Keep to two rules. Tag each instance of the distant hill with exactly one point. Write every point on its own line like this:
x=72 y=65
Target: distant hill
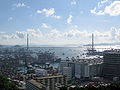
x=17 y=46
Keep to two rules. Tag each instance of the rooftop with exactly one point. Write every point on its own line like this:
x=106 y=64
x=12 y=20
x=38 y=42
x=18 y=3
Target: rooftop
x=48 y=77
x=34 y=82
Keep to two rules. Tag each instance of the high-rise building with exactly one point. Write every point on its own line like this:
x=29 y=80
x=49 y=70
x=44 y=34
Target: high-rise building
x=95 y=70
x=72 y=65
x=79 y=70
x=68 y=72
x=62 y=65
x=111 y=65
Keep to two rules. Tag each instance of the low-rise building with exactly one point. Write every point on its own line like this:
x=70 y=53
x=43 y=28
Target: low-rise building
x=34 y=85
x=46 y=83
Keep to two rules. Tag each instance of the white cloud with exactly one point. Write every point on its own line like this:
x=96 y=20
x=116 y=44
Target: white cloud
x=5 y=37
x=73 y=3
x=56 y=17
x=113 y=9
x=100 y=12
x=34 y=33
x=76 y=33
x=38 y=11
x=69 y=19
x=56 y=37
x=2 y=32
x=101 y=3
x=48 y=13
x=21 y=34
x=19 y=5
x=54 y=34
x=44 y=25
x=10 y=18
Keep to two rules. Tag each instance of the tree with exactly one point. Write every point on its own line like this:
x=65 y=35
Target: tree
x=5 y=84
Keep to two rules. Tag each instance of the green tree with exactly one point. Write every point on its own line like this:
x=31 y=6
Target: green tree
x=5 y=84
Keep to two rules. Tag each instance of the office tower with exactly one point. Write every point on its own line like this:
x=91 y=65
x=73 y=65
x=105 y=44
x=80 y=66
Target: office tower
x=111 y=65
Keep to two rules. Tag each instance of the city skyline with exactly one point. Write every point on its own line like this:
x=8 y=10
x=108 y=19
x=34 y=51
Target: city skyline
x=51 y=22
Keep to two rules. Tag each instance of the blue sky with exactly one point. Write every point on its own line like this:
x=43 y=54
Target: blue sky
x=59 y=22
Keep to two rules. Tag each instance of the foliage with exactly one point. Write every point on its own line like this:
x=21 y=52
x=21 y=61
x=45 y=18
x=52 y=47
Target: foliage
x=5 y=84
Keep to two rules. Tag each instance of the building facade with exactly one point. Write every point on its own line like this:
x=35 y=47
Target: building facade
x=68 y=72
x=111 y=65
x=49 y=82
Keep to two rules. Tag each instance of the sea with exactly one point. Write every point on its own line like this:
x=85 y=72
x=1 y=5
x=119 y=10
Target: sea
x=68 y=52
x=71 y=52
x=61 y=52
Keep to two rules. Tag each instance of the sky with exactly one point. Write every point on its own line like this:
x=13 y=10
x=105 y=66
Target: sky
x=59 y=22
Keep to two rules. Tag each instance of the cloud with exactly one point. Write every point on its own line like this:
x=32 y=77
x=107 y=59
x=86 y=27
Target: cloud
x=10 y=18
x=19 y=5
x=48 y=13
x=113 y=9
x=73 y=3
x=69 y=19
x=56 y=17
x=5 y=37
x=2 y=32
x=54 y=34
x=21 y=34
x=44 y=25
x=56 y=37
x=76 y=33
x=100 y=12
x=34 y=33
x=101 y=3
x=39 y=12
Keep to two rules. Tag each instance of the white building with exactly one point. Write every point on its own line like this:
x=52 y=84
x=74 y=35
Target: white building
x=62 y=65
x=68 y=72
x=78 y=70
x=86 y=70
x=81 y=70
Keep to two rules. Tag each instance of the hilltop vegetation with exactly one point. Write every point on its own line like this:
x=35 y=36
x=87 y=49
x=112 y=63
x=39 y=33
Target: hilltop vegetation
x=5 y=84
